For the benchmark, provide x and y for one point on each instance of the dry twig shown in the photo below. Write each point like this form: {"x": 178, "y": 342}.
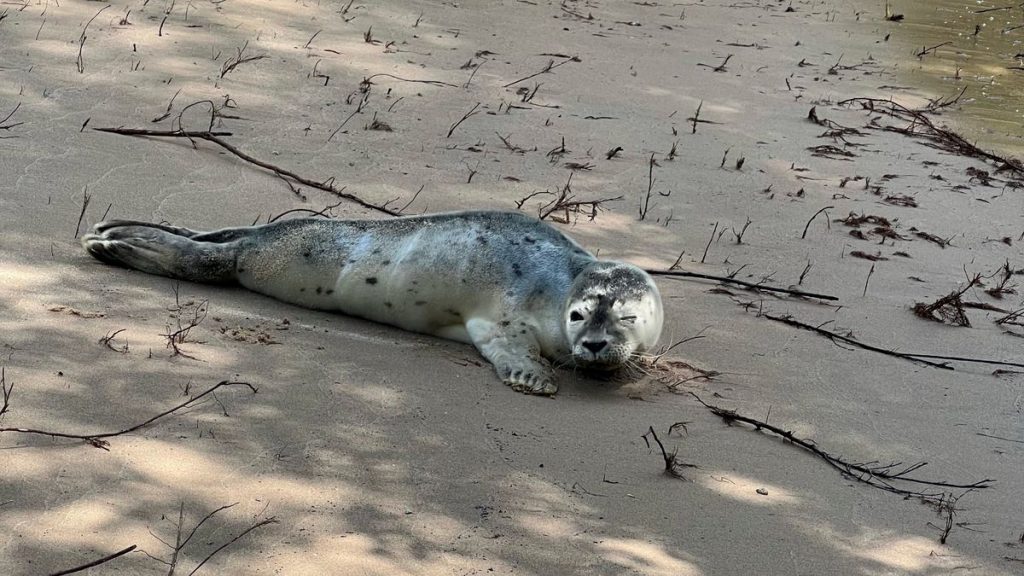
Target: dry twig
{"x": 749, "y": 285}
{"x": 86, "y": 197}
{"x": 808, "y": 225}
{"x": 240, "y": 58}
{"x": 95, "y": 563}
{"x": 215, "y": 137}
{"x": 550, "y": 66}
{"x": 180, "y": 543}
{"x": 97, "y": 439}
{"x": 80, "y": 62}
{"x": 948, "y": 309}
{"x": 673, "y": 465}
{"x": 920, "y": 125}
{"x": 881, "y": 476}
{"x": 471, "y": 112}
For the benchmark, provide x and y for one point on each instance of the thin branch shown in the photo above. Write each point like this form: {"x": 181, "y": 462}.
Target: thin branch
{"x": 305, "y": 210}
{"x": 181, "y": 543}
{"x": 310, "y": 41}
{"x": 95, "y": 562}
{"x": 967, "y": 359}
{"x": 878, "y": 477}
{"x": 3, "y": 123}
{"x": 86, "y": 197}
{"x": 808, "y": 225}
{"x": 749, "y": 285}
{"x": 921, "y": 126}
{"x": 914, "y": 357}
{"x": 432, "y": 82}
{"x": 550, "y": 66}
{"x": 673, "y": 465}
{"x": 97, "y": 439}
{"x": 259, "y": 524}
{"x": 720, "y": 67}
{"x": 708, "y": 247}
{"x": 80, "y": 62}
{"x": 7, "y": 390}
{"x": 471, "y": 112}
{"x": 231, "y": 63}
{"x": 645, "y": 205}
{"x": 215, "y": 138}
{"x": 413, "y": 199}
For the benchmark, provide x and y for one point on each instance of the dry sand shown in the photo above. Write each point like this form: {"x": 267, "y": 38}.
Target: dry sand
{"x": 384, "y": 452}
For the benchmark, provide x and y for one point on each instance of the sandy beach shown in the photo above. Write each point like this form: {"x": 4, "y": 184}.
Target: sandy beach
{"x": 372, "y": 451}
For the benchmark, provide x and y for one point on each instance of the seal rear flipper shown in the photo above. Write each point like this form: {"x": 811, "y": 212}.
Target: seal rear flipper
{"x": 161, "y": 250}
{"x": 515, "y": 357}
{"x": 101, "y": 227}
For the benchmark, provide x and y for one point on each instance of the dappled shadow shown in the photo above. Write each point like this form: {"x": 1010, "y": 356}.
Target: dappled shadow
{"x": 385, "y": 452}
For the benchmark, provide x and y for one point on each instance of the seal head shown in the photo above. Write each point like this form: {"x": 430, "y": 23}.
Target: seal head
{"x": 613, "y": 311}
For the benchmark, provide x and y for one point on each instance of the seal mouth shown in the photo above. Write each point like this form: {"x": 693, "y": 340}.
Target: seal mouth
{"x": 596, "y": 363}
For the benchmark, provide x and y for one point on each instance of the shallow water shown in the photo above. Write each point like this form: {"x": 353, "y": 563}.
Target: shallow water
{"x": 976, "y": 45}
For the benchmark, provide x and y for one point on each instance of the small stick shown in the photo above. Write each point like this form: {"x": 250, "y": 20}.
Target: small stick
{"x": 673, "y": 465}
{"x": 106, "y": 340}
{"x": 739, "y": 235}
{"x": 968, "y": 360}
{"x": 789, "y": 320}
{"x": 475, "y": 70}
{"x": 86, "y": 197}
{"x": 932, "y": 49}
{"x": 310, "y": 41}
{"x": 551, "y": 66}
{"x": 95, "y": 562}
{"x": 97, "y": 439}
{"x": 306, "y": 210}
{"x": 259, "y": 524}
{"x": 808, "y": 225}
{"x": 678, "y": 260}
{"x": 706, "y": 248}
{"x": 433, "y": 82}
{"x": 868, "y": 279}
{"x": 3, "y": 123}
{"x": 359, "y": 108}
{"x": 877, "y": 477}
{"x": 471, "y": 112}
{"x": 720, "y": 67}
{"x": 803, "y": 274}
{"x": 7, "y": 390}
{"x": 411, "y": 200}
{"x": 232, "y": 63}
{"x": 696, "y": 117}
{"x": 80, "y": 63}
{"x": 749, "y": 285}
{"x": 214, "y": 137}
{"x": 167, "y": 112}
{"x": 650, "y": 185}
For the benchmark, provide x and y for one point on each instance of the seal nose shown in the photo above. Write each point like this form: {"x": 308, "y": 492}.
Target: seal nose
{"x": 595, "y": 347}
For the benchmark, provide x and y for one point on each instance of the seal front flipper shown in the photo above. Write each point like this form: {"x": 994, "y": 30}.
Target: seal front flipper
{"x": 515, "y": 356}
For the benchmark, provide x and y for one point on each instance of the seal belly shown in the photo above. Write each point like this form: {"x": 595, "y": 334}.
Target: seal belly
{"x": 408, "y": 282}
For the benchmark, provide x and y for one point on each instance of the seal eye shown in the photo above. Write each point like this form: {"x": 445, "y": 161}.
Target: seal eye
{"x": 575, "y": 316}
{"x": 630, "y": 319}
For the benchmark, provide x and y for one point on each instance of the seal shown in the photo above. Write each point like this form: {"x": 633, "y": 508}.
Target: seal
{"x": 519, "y": 290}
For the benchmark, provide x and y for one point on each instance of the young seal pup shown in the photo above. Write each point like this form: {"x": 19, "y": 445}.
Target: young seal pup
{"x": 516, "y": 288}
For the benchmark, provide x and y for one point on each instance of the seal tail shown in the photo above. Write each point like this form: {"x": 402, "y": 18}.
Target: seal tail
{"x": 165, "y": 250}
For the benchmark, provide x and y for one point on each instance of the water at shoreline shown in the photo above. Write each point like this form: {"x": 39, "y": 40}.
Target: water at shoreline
{"x": 977, "y": 45}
